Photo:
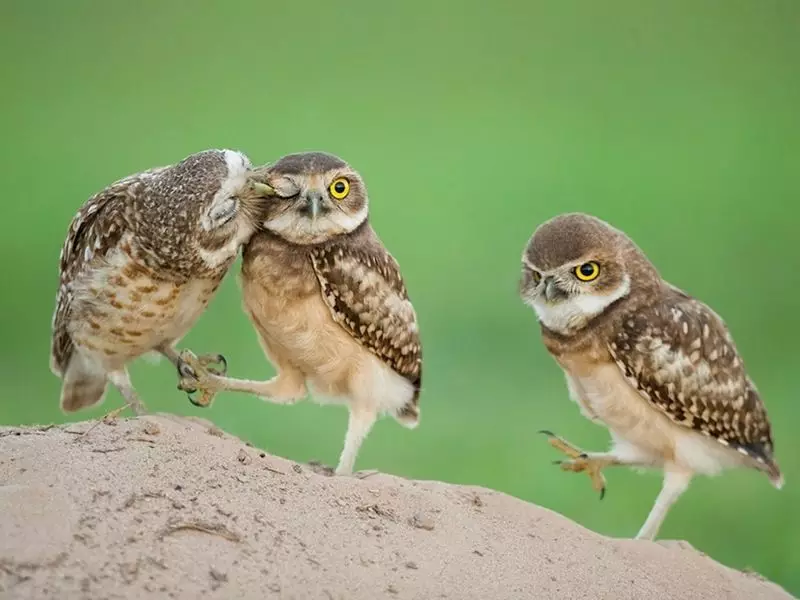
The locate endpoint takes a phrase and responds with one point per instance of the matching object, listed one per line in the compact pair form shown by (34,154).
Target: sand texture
(168,507)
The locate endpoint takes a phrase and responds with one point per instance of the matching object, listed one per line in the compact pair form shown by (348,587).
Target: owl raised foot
(580,462)
(197,375)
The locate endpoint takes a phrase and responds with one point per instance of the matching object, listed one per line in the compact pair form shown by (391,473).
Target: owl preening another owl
(141,260)
(144,256)
(657,367)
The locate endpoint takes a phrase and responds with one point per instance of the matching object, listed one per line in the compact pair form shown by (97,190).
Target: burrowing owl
(657,367)
(141,260)
(327,301)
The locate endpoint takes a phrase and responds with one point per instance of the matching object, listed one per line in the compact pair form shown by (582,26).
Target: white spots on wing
(677,314)
(685,328)
(706,331)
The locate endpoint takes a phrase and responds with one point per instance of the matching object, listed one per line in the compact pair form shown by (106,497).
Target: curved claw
(194,400)
(186,371)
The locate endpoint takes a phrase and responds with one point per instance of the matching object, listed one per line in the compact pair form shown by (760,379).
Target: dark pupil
(587,270)
(339,187)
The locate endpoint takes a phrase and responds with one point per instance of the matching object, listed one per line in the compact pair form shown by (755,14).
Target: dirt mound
(175,508)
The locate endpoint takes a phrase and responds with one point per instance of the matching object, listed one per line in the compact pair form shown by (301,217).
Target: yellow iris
(339,188)
(587,271)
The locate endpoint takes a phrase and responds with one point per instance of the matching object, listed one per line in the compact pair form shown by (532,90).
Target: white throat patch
(564,317)
(299,229)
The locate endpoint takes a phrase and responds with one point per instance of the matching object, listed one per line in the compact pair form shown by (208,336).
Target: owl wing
(681,358)
(366,295)
(94,231)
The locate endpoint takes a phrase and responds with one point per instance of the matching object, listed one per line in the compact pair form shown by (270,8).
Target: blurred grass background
(472,122)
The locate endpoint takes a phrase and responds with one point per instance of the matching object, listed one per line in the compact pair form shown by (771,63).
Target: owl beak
(262,189)
(552,292)
(313,203)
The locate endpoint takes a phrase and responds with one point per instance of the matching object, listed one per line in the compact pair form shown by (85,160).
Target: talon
(579,462)
(186,371)
(194,376)
(193,400)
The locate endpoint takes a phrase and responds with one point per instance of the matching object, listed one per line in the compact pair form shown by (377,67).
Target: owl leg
(122,381)
(591,463)
(286,388)
(675,483)
(358,427)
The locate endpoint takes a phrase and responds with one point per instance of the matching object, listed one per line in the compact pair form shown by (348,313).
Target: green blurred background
(472,123)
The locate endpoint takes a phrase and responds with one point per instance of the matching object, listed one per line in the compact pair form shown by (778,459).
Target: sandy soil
(173,508)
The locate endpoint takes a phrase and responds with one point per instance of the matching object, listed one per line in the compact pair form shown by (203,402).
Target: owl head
(197,212)
(575,267)
(316,196)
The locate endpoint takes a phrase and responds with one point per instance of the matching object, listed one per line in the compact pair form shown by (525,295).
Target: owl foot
(580,462)
(196,375)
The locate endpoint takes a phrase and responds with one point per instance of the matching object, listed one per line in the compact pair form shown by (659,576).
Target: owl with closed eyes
(328,302)
(141,260)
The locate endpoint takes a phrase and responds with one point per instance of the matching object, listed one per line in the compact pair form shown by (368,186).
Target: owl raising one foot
(327,301)
(141,260)
(657,367)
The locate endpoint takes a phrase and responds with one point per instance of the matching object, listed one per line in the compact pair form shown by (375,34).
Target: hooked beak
(313,203)
(552,292)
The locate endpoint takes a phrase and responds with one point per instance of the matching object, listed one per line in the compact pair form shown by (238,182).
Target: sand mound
(175,508)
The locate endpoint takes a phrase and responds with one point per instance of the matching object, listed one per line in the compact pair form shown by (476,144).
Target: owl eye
(587,271)
(536,277)
(339,188)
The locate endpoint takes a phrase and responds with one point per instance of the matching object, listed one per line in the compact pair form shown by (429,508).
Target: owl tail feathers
(81,388)
(775,475)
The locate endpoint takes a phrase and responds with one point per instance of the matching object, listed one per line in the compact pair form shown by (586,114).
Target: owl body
(655,366)
(283,297)
(141,261)
(641,433)
(328,302)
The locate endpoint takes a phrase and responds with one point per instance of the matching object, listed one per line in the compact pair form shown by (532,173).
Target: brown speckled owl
(141,260)
(327,301)
(657,367)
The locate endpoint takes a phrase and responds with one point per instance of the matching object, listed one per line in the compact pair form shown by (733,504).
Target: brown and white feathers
(358,278)
(132,260)
(327,300)
(654,365)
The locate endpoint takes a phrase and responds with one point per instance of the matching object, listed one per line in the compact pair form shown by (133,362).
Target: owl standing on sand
(141,260)
(327,301)
(657,367)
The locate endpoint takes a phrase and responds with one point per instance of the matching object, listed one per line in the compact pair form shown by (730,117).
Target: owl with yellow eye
(327,300)
(654,365)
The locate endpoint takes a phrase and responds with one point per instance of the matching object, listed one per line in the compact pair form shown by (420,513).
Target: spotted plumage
(328,302)
(657,367)
(141,260)
(681,357)
(365,292)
